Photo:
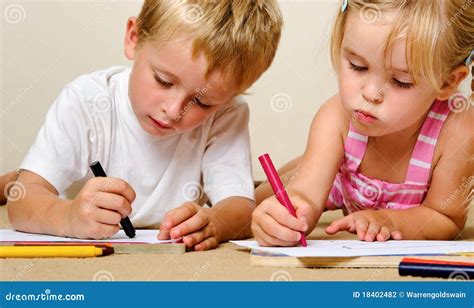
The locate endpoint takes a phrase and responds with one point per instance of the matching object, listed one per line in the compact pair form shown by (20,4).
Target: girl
(388,149)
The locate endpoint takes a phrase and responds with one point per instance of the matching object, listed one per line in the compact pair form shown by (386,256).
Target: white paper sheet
(141,237)
(328,248)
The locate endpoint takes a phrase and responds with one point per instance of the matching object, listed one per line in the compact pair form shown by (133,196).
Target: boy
(158,129)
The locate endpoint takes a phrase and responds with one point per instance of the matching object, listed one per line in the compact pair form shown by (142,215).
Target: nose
(373,91)
(172,106)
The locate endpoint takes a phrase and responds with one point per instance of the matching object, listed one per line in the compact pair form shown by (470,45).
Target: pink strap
(420,163)
(354,148)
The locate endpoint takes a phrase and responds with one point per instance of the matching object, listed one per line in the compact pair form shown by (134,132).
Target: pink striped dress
(352,191)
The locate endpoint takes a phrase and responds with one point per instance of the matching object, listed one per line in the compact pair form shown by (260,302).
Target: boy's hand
(273,225)
(193,223)
(98,208)
(370,225)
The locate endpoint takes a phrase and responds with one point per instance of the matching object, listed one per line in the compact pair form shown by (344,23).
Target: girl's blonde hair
(439,33)
(238,37)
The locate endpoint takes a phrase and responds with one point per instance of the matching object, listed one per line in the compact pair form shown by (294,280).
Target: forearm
(422,223)
(39,211)
(4,181)
(232,217)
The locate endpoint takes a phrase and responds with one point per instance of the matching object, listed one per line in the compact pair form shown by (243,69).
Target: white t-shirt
(92,119)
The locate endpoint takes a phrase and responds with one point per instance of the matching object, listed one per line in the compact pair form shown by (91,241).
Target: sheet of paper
(328,248)
(141,237)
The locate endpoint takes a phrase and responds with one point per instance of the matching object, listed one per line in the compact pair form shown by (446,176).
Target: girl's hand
(193,223)
(370,225)
(273,225)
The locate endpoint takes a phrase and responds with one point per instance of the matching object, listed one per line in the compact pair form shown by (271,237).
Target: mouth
(365,117)
(161,125)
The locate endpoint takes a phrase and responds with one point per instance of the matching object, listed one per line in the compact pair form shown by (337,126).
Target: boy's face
(382,99)
(168,90)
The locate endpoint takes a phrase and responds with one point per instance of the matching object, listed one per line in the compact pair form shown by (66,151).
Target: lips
(160,124)
(365,117)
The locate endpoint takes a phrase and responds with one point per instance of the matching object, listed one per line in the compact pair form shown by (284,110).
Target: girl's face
(381,99)
(168,90)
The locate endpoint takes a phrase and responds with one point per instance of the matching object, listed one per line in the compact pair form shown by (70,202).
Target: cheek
(405,108)
(193,118)
(348,88)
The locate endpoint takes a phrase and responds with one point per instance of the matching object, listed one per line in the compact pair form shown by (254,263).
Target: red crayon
(278,188)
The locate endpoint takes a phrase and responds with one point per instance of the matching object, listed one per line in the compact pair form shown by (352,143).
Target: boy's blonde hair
(238,37)
(439,33)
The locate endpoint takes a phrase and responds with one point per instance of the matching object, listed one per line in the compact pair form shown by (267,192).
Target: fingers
(107,217)
(195,223)
(384,234)
(367,227)
(112,202)
(372,231)
(207,244)
(194,238)
(276,230)
(396,235)
(283,217)
(111,185)
(265,239)
(100,231)
(164,234)
(345,223)
(179,215)
(361,225)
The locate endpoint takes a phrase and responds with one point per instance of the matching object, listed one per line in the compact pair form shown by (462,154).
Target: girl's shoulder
(333,114)
(457,134)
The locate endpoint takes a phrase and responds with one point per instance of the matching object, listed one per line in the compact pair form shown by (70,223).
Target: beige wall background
(46,44)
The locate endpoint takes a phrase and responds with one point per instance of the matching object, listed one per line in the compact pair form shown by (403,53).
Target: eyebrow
(398,69)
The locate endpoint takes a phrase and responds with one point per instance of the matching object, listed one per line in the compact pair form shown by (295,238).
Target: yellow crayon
(59,251)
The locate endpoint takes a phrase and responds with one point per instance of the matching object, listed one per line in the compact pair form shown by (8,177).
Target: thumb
(164,234)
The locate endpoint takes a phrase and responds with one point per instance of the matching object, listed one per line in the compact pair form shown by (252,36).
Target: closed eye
(163,83)
(404,85)
(356,68)
(201,104)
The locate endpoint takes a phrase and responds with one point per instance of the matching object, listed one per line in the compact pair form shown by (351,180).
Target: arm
(39,210)
(310,183)
(232,218)
(94,213)
(444,210)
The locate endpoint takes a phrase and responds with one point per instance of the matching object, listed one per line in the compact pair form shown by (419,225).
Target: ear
(452,84)
(131,38)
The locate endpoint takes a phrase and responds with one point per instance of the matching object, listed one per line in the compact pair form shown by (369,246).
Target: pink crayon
(278,188)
